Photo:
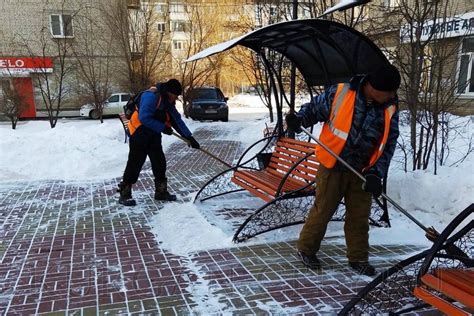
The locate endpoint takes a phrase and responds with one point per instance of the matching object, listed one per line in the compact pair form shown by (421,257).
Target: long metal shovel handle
(398,207)
(203,150)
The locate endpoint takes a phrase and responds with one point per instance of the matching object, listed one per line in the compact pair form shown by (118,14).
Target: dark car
(206,103)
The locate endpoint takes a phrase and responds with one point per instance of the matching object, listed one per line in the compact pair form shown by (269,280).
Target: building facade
(55,40)
(432,42)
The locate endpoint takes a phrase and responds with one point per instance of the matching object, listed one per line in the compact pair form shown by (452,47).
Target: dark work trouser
(144,142)
(331,187)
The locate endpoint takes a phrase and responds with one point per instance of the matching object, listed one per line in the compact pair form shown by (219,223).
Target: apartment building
(53,38)
(441,35)
(32,29)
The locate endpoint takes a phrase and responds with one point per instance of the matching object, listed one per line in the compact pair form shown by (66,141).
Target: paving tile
(65,249)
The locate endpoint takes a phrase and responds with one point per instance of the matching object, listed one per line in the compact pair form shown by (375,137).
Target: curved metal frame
(238,165)
(298,216)
(278,197)
(290,195)
(422,261)
(297,219)
(380,279)
(442,243)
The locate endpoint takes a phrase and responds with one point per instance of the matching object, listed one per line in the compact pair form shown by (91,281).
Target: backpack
(134,102)
(132,105)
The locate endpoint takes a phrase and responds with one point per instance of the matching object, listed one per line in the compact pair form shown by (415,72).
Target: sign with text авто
(441,28)
(25,65)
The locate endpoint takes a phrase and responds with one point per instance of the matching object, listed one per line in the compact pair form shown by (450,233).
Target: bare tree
(428,66)
(273,11)
(266,12)
(206,27)
(141,36)
(93,51)
(53,86)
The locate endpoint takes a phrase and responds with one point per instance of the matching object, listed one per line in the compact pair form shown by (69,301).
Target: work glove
(373,185)
(293,122)
(193,142)
(168,130)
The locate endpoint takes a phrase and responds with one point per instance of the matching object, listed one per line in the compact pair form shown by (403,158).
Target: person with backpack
(156,114)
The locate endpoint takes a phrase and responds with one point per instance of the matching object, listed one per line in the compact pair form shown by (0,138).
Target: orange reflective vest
(336,130)
(135,123)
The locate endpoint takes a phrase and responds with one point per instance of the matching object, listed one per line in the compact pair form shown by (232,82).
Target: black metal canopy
(325,52)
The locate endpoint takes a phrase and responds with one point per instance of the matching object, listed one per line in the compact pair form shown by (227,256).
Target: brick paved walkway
(69,248)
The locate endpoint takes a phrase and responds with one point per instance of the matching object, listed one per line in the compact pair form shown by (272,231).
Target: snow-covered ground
(86,150)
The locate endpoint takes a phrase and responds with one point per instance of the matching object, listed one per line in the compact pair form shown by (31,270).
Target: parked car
(206,103)
(113,106)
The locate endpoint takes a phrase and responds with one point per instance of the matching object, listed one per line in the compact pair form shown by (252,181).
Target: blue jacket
(366,130)
(148,111)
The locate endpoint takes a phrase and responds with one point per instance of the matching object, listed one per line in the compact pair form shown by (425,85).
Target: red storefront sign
(25,65)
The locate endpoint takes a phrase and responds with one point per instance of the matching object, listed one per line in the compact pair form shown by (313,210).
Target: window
(160,7)
(125,97)
(61,25)
(466,65)
(178,26)
(273,11)
(114,98)
(361,13)
(391,3)
(161,27)
(136,43)
(426,82)
(177,8)
(305,12)
(258,14)
(178,45)
(144,5)
(390,53)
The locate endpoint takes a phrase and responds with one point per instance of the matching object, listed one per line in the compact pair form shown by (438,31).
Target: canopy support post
(271,74)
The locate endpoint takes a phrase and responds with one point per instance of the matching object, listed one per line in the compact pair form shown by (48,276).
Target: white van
(113,106)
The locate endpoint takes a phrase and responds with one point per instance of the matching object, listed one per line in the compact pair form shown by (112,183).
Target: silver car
(113,106)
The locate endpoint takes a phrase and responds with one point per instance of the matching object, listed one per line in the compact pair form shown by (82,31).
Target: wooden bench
(286,182)
(124,121)
(292,167)
(456,284)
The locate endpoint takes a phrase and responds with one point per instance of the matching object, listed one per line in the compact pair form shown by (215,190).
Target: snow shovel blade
(432,234)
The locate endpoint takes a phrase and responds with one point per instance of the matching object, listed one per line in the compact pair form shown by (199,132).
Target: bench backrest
(289,151)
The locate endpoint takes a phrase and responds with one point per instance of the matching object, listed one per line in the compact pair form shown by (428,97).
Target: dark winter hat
(173,86)
(386,78)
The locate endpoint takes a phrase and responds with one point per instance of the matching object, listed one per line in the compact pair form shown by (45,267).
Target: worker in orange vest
(361,126)
(155,115)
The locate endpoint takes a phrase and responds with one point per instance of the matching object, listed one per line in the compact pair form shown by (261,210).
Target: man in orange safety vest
(361,126)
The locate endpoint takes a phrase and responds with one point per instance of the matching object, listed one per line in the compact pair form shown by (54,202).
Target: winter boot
(125,191)
(161,191)
(363,268)
(310,261)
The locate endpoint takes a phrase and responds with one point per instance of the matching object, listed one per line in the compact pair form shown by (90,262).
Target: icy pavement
(69,248)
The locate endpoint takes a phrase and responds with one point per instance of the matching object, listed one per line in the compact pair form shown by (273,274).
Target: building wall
(382,21)
(26,32)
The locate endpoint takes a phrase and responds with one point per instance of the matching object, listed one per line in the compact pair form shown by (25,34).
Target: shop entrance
(23,88)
